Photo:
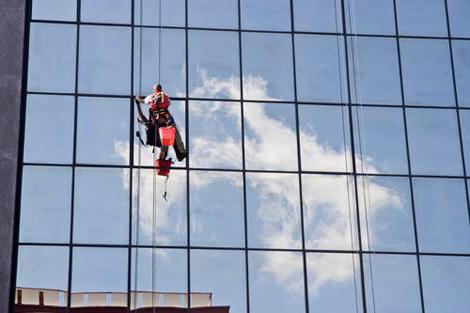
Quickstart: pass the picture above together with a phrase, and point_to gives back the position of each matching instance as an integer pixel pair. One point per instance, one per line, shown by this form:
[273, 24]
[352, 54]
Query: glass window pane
[427, 73]
[45, 204]
[373, 71]
[273, 210]
[276, 282]
[459, 17]
[329, 212]
[370, 17]
[267, 67]
[446, 282]
[320, 68]
[103, 130]
[172, 12]
[217, 217]
[49, 129]
[222, 274]
[265, 14]
[170, 222]
[324, 137]
[59, 10]
[318, 16]
[41, 270]
[332, 277]
[214, 70]
[170, 278]
[465, 127]
[210, 13]
[106, 11]
[442, 215]
[51, 65]
[377, 126]
[395, 282]
[98, 270]
[422, 17]
[268, 129]
[101, 212]
[434, 141]
[172, 59]
[104, 70]
[461, 53]
[387, 220]
[215, 143]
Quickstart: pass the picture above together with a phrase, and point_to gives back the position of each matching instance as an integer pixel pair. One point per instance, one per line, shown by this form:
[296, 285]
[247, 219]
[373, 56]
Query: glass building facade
[329, 144]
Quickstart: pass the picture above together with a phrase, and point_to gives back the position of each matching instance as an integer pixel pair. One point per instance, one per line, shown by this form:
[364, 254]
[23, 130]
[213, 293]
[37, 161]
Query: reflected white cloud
[325, 196]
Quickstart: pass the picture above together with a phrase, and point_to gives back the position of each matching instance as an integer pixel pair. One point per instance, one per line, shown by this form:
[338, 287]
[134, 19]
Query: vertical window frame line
[408, 156]
[299, 156]
[344, 34]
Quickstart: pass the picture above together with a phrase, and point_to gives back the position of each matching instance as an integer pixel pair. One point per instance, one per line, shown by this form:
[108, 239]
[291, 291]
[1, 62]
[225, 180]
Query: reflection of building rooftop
[33, 300]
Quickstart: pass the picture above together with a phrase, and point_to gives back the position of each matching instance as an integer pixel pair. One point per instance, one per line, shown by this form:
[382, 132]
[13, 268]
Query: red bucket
[163, 167]
[167, 135]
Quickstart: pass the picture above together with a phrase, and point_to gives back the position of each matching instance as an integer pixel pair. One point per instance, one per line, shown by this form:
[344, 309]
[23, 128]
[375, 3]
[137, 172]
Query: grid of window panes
[309, 124]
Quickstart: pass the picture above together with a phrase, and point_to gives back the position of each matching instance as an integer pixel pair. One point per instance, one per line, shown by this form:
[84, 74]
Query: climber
[159, 116]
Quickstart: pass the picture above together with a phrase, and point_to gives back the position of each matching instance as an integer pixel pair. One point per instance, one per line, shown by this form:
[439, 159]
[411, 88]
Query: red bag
[163, 167]
[167, 135]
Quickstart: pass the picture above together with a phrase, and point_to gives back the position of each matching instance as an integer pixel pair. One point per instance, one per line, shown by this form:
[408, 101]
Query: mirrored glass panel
[42, 279]
[465, 128]
[329, 212]
[45, 204]
[434, 141]
[270, 136]
[370, 17]
[458, 17]
[325, 138]
[442, 215]
[57, 10]
[218, 280]
[386, 214]
[318, 16]
[262, 80]
[51, 64]
[103, 130]
[332, 277]
[461, 53]
[215, 134]
[99, 278]
[103, 70]
[101, 206]
[427, 73]
[374, 126]
[273, 211]
[169, 225]
[106, 11]
[320, 68]
[373, 70]
[172, 12]
[392, 283]
[159, 279]
[49, 129]
[214, 70]
[148, 55]
[422, 17]
[213, 14]
[276, 282]
[446, 281]
[217, 215]
[265, 14]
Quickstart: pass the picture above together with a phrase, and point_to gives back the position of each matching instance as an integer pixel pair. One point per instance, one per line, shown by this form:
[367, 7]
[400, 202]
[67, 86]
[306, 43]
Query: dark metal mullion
[354, 172]
[408, 156]
[299, 158]
[242, 117]
[456, 97]
[74, 159]
[188, 215]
